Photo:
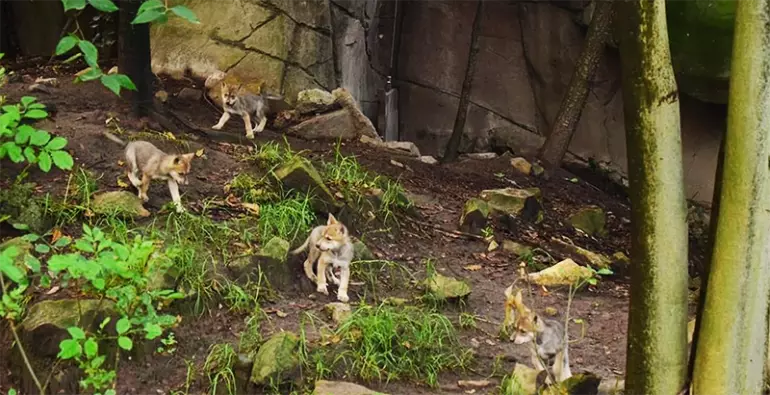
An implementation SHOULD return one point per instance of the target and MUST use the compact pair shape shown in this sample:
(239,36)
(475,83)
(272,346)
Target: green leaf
(31,237)
(56,143)
(35,114)
(40,106)
(45,281)
(23,133)
(103,5)
(39,138)
(90,53)
(42,248)
(152,331)
(149,16)
(74,4)
(111,83)
(99,283)
(97,362)
(66,44)
(91,348)
(125,343)
(13,392)
(84,246)
(30,154)
(125,81)
(150,5)
(62,242)
(110,392)
(62,160)
(123,325)
(91,75)
(604,271)
(10,270)
(27,100)
(13,151)
(76,333)
(44,161)
(185,13)
(32,263)
(105,322)
(69,349)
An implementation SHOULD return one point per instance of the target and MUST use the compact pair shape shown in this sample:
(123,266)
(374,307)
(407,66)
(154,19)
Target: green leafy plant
(150,11)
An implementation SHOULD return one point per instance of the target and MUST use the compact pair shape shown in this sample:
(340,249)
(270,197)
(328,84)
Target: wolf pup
(146,162)
(329,244)
(236,101)
(548,336)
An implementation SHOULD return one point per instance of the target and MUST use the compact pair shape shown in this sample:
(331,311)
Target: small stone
(473,383)
(481,155)
(314,101)
(566,272)
(396,163)
(407,148)
(189,94)
(323,387)
(521,165)
(428,159)
(276,248)
(120,203)
(590,220)
(40,88)
(551,311)
(394,301)
(338,311)
(113,70)
(537,170)
(516,248)
(162,96)
(52,82)
(276,359)
(444,287)
(475,216)
(523,203)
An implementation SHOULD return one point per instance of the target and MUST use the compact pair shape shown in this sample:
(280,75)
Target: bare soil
(439,191)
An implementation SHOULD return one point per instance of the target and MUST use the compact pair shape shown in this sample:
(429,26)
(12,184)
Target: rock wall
(527,54)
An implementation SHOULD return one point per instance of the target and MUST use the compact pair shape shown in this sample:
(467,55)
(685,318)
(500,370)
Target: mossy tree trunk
(657,326)
(733,333)
(557,143)
(134,58)
(453,146)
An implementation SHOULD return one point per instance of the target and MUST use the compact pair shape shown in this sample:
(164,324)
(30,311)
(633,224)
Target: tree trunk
(134,56)
(453,146)
(732,342)
(555,147)
(657,326)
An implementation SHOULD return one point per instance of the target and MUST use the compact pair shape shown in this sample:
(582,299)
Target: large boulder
(330,126)
(314,101)
(118,203)
(276,360)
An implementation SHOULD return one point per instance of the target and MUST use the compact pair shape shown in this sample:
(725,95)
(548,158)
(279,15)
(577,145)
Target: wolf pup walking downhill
(146,162)
(236,101)
(330,244)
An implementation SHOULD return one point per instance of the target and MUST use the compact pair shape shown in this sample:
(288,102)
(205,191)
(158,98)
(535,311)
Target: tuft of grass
(467,321)
(288,218)
(359,186)
(219,367)
(272,154)
(510,386)
(391,343)
(251,189)
(251,338)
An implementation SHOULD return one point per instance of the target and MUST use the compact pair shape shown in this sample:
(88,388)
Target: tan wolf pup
(331,246)
(146,162)
(236,101)
(550,341)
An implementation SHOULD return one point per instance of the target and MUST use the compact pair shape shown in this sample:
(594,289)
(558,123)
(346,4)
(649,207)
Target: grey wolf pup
(550,341)
(236,101)
(331,246)
(146,162)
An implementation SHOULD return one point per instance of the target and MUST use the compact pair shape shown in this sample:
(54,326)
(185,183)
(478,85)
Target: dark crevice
(275,8)
(259,25)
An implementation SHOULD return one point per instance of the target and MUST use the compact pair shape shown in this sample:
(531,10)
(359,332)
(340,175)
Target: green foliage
(252,190)
(288,218)
(149,11)
(510,386)
(219,367)
(390,343)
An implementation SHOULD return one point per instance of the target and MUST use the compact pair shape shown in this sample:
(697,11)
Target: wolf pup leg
(225,117)
(342,291)
(321,273)
(173,187)
(261,126)
(247,125)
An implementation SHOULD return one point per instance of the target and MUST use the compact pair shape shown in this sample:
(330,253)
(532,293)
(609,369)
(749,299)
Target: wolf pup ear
(331,220)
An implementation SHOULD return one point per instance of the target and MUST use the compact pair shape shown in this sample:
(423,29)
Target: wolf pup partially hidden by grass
(146,162)
(330,244)
(236,101)
(550,342)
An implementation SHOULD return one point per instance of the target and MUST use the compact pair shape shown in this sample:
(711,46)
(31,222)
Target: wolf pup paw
(217,127)
(343,298)
(322,290)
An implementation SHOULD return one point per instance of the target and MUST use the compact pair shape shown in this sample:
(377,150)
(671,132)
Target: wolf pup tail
(272,97)
(302,247)
(114,138)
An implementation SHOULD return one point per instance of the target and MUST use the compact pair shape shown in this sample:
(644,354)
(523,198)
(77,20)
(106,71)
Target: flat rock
(481,155)
(444,287)
(118,203)
(428,159)
(564,273)
(521,165)
(329,126)
(314,101)
(516,248)
(523,203)
(590,219)
(323,387)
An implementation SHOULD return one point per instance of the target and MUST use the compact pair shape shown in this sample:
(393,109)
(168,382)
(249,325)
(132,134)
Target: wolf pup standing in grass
(550,341)
(236,101)
(331,246)
(146,162)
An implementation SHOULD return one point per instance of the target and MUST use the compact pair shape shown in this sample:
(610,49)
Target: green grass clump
(272,154)
(392,343)
(251,189)
(219,367)
(289,218)
(358,185)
